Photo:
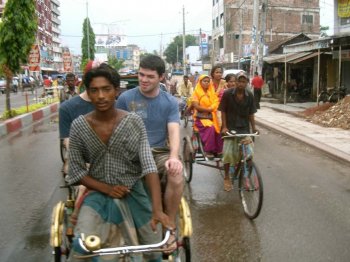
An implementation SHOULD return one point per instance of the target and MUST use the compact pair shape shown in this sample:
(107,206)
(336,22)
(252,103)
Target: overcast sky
(142,21)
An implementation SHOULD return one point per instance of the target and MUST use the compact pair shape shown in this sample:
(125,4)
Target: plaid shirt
(124,160)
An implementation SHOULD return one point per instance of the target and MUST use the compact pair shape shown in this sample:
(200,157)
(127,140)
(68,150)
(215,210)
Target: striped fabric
(124,160)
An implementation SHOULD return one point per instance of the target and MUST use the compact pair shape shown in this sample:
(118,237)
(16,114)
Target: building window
(213,2)
(307,19)
(217,22)
(222,19)
(221,42)
(213,23)
(345,21)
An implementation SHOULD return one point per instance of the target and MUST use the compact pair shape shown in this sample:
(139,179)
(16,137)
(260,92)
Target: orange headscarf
(207,99)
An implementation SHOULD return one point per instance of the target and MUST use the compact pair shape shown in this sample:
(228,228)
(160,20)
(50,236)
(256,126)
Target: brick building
(48,34)
(232,24)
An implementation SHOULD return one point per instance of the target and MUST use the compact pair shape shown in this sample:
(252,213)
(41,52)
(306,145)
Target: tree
(115,63)
(174,52)
(87,47)
(17,35)
(323,31)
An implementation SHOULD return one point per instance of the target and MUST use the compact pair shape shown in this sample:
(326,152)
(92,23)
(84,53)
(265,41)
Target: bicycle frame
(121,250)
(243,150)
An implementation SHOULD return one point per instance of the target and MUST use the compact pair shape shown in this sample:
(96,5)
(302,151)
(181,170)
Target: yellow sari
(207,99)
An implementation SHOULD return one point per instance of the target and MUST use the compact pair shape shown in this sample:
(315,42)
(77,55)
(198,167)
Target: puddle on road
(36,241)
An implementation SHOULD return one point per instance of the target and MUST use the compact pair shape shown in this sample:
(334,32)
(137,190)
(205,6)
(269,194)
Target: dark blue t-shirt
(70,110)
(155,112)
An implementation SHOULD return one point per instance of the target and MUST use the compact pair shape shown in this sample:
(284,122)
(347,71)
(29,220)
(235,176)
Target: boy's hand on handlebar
(162,218)
(118,191)
(256,131)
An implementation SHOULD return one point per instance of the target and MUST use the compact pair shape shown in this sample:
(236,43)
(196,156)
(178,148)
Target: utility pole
(87,28)
(262,36)
(183,41)
(255,26)
(240,38)
(161,45)
(200,43)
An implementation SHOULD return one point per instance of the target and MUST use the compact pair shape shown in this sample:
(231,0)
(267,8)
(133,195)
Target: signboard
(67,61)
(34,58)
(343,8)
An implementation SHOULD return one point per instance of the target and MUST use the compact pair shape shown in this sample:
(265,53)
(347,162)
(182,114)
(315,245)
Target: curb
(18,122)
(331,151)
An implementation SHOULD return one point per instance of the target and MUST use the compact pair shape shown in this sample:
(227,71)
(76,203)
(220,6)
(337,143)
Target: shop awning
(298,60)
(282,58)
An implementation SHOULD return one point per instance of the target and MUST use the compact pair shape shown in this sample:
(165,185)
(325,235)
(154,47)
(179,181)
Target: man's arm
(252,123)
(174,139)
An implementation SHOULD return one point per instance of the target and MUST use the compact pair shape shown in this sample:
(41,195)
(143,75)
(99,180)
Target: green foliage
(323,31)
(174,52)
(83,64)
(23,109)
(85,43)
(115,63)
(17,33)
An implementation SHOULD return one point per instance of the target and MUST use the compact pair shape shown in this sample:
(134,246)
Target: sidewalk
(282,118)
(19,122)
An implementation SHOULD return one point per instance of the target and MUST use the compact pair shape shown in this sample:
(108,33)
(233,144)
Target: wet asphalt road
(305,215)
(19,99)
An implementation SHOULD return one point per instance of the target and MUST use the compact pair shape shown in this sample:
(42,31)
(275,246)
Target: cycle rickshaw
(62,234)
(250,184)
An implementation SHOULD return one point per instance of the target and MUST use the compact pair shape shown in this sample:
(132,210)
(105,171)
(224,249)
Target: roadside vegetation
(23,109)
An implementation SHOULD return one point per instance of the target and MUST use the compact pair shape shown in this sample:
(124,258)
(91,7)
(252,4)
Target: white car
(231,71)
(2,85)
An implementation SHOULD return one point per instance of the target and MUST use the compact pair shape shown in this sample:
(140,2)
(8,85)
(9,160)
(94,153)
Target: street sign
(34,58)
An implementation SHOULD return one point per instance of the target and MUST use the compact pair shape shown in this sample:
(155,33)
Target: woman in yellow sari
(205,102)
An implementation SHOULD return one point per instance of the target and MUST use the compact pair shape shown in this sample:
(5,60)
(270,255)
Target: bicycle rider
(186,91)
(237,113)
(115,142)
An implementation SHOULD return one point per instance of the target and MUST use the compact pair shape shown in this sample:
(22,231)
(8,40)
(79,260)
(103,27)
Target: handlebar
(233,134)
(91,245)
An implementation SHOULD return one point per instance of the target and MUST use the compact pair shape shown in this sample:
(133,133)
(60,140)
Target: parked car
(3,85)
(232,71)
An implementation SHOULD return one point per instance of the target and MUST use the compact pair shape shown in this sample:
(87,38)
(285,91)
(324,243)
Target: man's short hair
(103,70)
(153,62)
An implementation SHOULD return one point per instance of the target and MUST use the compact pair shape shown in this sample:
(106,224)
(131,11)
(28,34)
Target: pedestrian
(195,78)
(70,90)
(115,144)
(237,112)
(257,83)
(160,114)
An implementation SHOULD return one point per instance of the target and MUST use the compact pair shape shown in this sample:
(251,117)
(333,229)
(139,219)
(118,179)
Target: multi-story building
(112,42)
(232,22)
(48,34)
(56,32)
